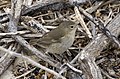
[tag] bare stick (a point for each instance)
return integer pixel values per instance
(32, 62)
(80, 19)
(99, 43)
(14, 33)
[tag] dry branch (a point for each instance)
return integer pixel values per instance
(87, 56)
(32, 62)
(46, 14)
(56, 6)
(93, 49)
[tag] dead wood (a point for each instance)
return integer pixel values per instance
(93, 49)
(94, 54)
(35, 9)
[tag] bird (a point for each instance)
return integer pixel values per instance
(58, 40)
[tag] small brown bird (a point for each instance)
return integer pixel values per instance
(59, 39)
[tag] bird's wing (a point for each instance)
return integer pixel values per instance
(49, 38)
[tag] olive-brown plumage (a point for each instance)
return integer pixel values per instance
(58, 40)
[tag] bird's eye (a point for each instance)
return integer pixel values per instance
(71, 26)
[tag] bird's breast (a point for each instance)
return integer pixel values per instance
(62, 46)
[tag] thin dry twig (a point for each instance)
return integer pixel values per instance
(26, 73)
(80, 19)
(96, 45)
(14, 33)
(73, 68)
(32, 62)
(101, 27)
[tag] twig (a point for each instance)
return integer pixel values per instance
(14, 33)
(7, 58)
(73, 68)
(32, 35)
(35, 51)
(31, 10)
(32, 62)
(94, 8)
(3, 58)
(94, 44)
(13, 28)
(103, 72)
(33, 24)
(80, 19)
(73, 61)
(26, 73)
(101, 26)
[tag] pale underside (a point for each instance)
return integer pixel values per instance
(61, 47)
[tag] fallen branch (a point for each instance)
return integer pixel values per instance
(32, 62)
(92, 50)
